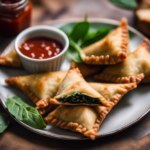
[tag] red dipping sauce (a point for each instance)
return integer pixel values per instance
(15, 16)
(41, 48)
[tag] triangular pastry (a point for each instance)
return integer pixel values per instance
(39, 87)
(11, 59)
(110, 50)
(74, 90)
(86, 69)
(132, 69)
(83, 119)
(86, 119)
(113, 92)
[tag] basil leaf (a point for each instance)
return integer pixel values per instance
(25, 113)
(67, 28)
(73, 55)
(94, 37)
(4, 122)
(34, 119)
(75, 51)
(127, 4)
(79, 31)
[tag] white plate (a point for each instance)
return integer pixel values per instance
(131, 108)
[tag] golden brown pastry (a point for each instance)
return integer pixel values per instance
(85, 119)
(110, 50)
(11, 59)
(39, 88)
(86, 69)
(112, 92)
(74, 90)
(133, 69)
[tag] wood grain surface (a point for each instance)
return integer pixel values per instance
(16, 137)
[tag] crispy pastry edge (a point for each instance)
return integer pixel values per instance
(111, 78)
(79, 128)
(99, 60)
(123, 89)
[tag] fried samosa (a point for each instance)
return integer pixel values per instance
(133, 69)
(74, 90)
(11, 59)
(86, 119)
(39, 87)
(110, 50)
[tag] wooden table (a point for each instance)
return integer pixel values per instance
(16, 137)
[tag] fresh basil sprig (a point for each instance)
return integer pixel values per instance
(126, 4)
(73, 52)
(94, 37)
(80, 37)
(25, 113)
(73, 55)
(79, 31)
(4, 122)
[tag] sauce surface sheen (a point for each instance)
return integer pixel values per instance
(40, 48)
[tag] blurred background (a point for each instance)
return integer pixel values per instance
(136, 11)
(45, 10)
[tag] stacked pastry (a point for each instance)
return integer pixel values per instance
(83, 106)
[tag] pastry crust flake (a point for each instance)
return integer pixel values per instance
(110, 50)
(133, 69)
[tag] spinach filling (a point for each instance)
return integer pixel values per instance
(79, 98)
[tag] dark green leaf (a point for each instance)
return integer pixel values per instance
(127, 4)
(73, 55)
(74, 52)
(95, 36)
(4, 122)
(67, 28)
(34, 119)
(79, 31)
(25, 113)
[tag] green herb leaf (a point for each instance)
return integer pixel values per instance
(73, 55)
(34, 119)
(25, 113)
(79, 31)
(127, 4)
(67, 28)
(77, 41)
(74, 52)
(4, 122)
(95, 36)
